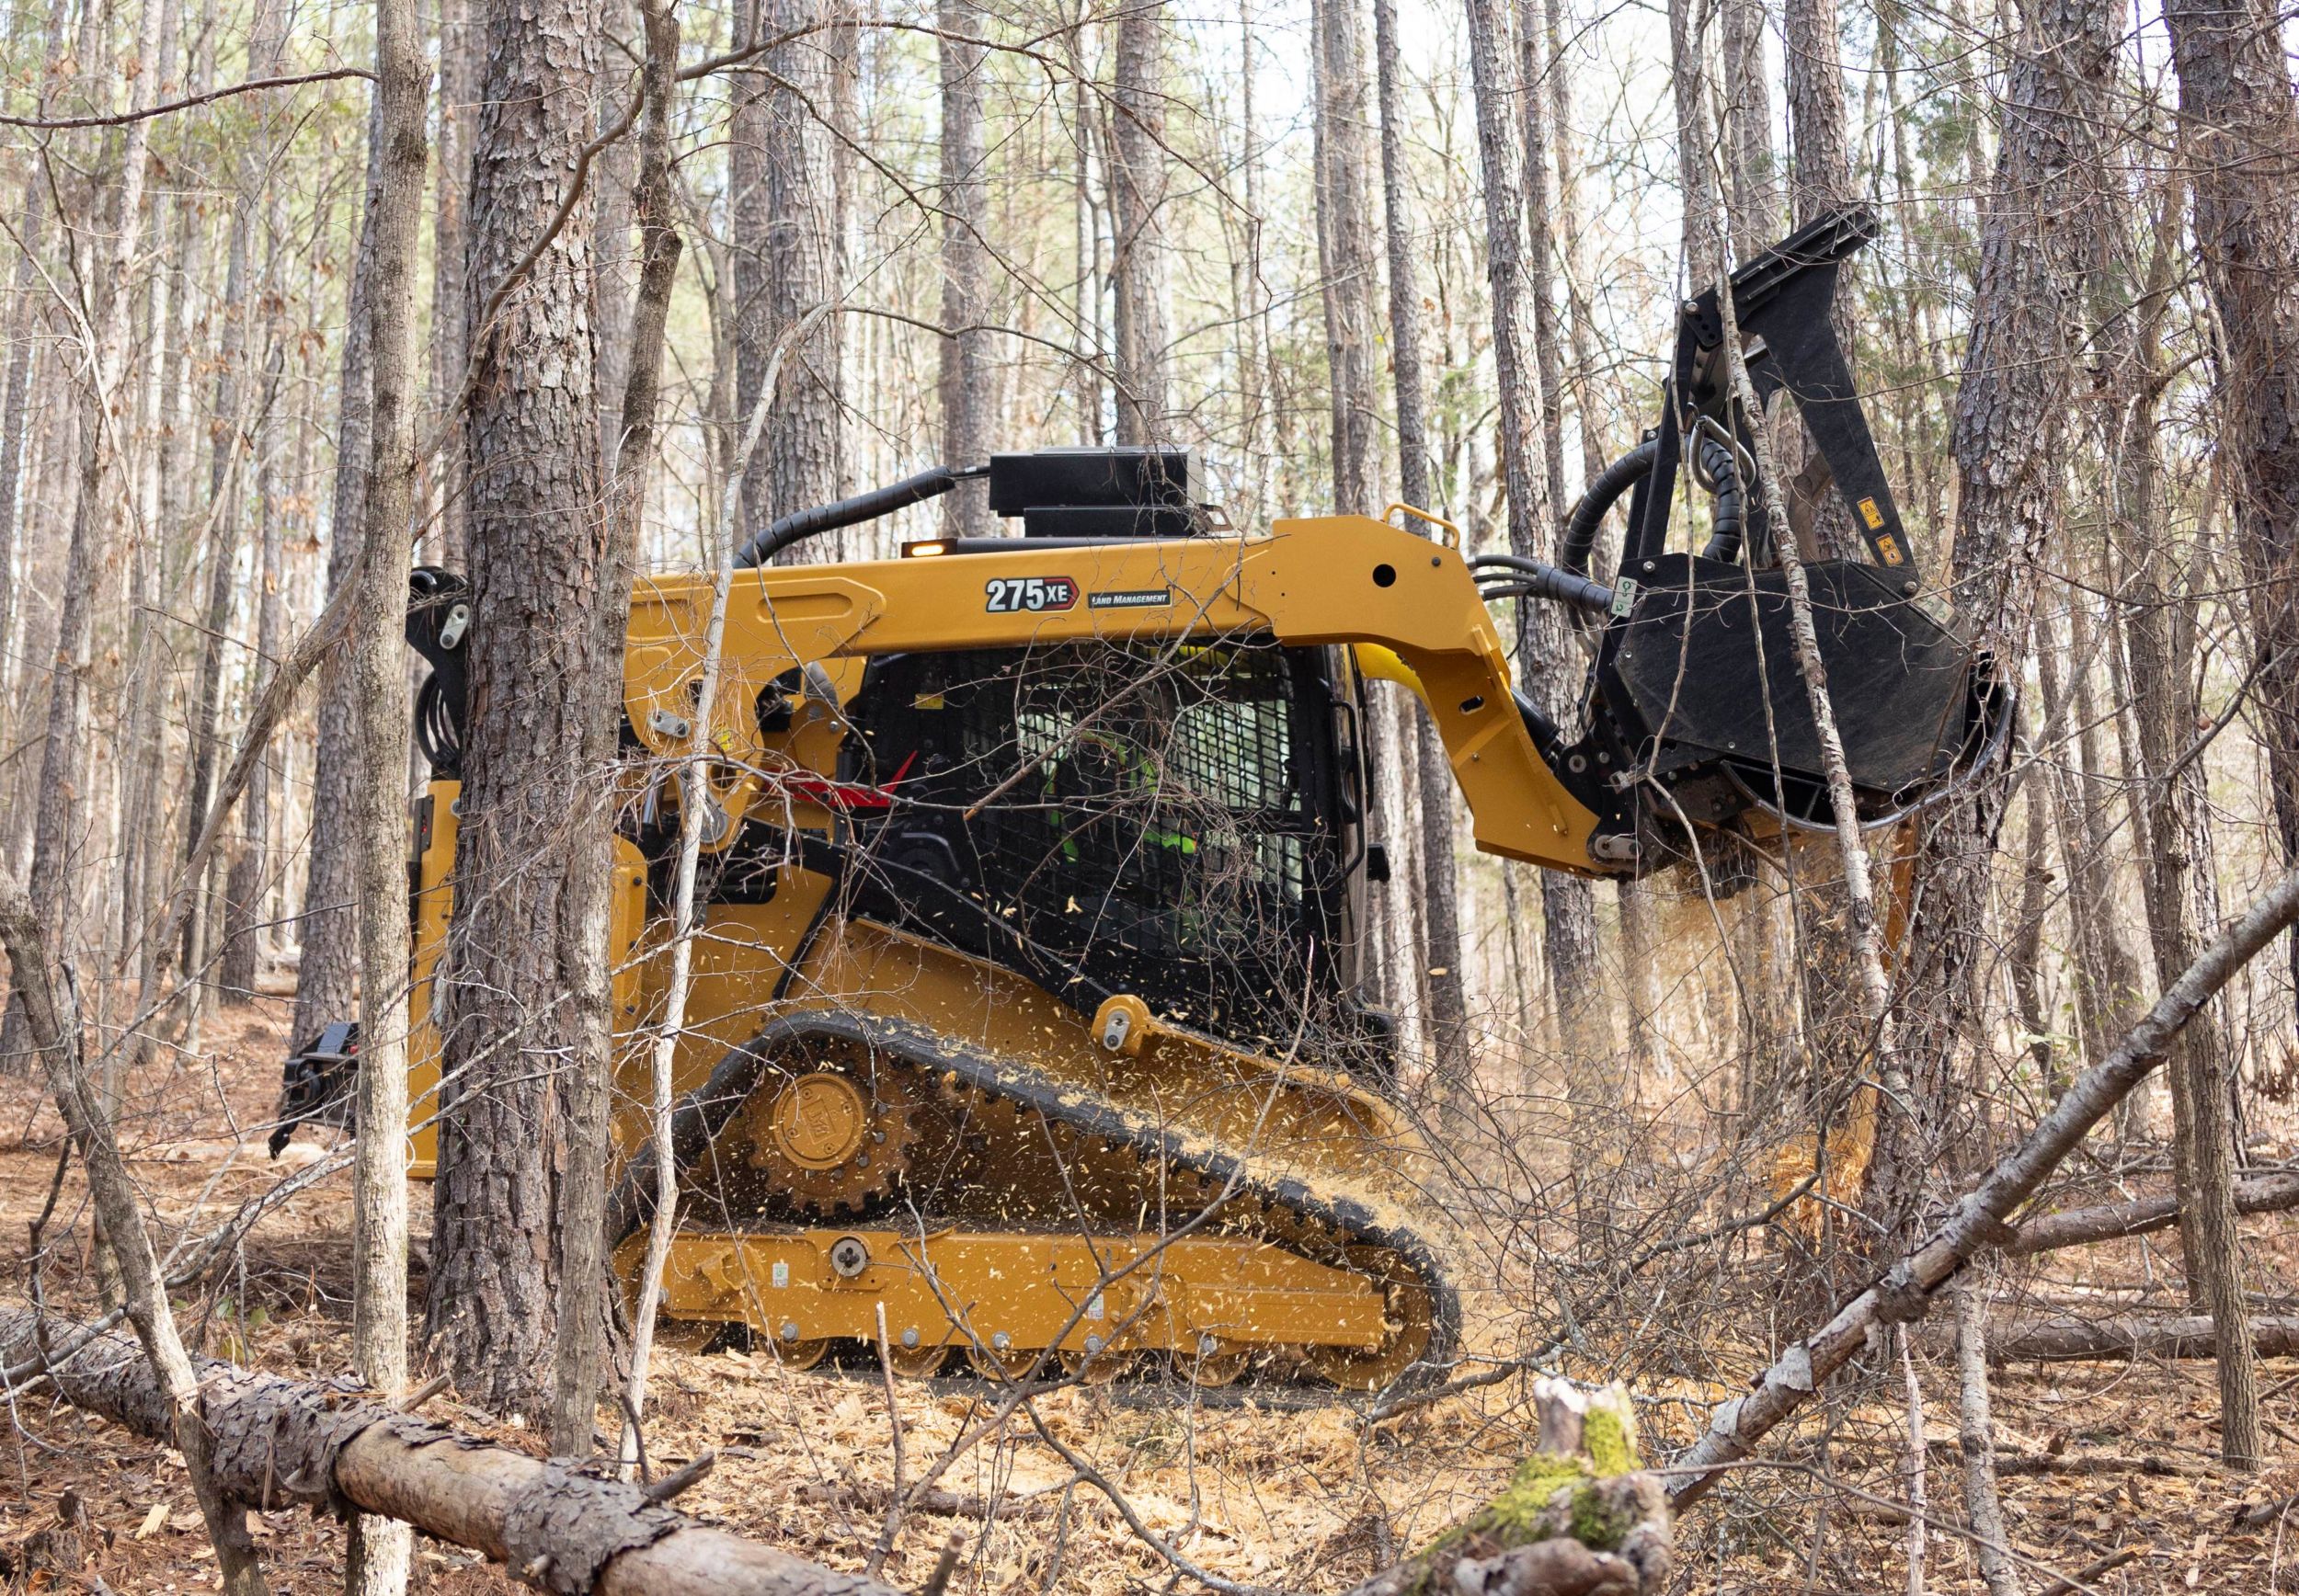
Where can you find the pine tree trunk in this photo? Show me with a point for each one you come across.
(518, 958)
(788, 258)
(1448, 1004)
(1136, 173)
(2010, 423)
(62, 815)
(1752, 191)
(1820, 168)
(2240, 128)
(245, 881)
(1550, 662)
(583, 1281)
(461, 59)
(2160, 629)
(370, 694)
(965, 261)
(328, 982)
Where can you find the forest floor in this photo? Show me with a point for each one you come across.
(1262, 1486)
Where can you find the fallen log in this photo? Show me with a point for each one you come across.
(2269, 1193)
(329, 1446)
(2071, 1341)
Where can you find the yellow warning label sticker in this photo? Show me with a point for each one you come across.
(1889, 547)
(1875, 516)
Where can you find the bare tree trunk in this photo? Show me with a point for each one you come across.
(15, 390)
(62, 815)
(1976, 1430)
(461, 59)
(521, 959)
(2008, 431)
(244, 879)
(1752, 193)
(580, 1360)
(1820, 160)
(967, 378)
(1550, 662)
(1345, 210)
(301, 1445)
(1086, 296)
(1448, 1005)
(375, 679)
(327, 980)
(2159, 628)
(1136, 163)
(2240, 128)
(788, 259)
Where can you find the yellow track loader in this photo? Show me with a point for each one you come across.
(1026, 1019)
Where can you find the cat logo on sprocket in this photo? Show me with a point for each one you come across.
(1020, 595)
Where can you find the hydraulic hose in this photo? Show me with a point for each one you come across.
(1580, 531)
(1717, 462)
(1506, 576)
(815, 519)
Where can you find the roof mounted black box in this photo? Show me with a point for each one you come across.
(1159, 482)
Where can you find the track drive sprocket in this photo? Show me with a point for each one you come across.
(838, 1136)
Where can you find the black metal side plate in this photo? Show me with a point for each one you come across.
(1689, 669)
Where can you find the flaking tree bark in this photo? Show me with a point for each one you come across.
(283, 1443)
(522, 964)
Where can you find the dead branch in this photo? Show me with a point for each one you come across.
(2269, 1193)
(123, 118)
(2067, 1340)
(867, 1497)
(1979, 1220)
(283, 1442)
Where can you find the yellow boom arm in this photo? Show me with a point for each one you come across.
(1335, 580)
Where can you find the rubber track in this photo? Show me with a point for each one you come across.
(703, 1112)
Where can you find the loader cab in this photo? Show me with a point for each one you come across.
(1183, 820)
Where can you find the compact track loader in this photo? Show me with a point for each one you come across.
(1026, 1018)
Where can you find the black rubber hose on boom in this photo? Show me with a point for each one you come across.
(1727, 517)
(815, 519)
(1588, 516)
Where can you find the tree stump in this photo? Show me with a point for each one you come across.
(1581, 1517)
